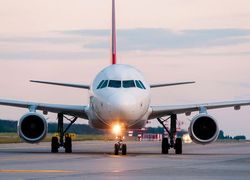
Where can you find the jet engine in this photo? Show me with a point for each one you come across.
(32, 127)
(203, 129)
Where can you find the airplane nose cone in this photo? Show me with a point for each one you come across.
(123, 106)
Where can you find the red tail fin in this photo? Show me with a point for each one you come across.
(113, 34)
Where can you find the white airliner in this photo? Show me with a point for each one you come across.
(119, 100)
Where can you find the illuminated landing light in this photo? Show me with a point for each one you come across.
(117, 129)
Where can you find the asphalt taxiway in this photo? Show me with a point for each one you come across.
(95, 160)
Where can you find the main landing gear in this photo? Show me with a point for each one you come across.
(175, 143)
(64, 139)
(120, 146)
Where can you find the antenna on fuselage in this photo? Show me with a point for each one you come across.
(113, 34)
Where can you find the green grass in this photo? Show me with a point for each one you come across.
(9, 138)
(14, 138)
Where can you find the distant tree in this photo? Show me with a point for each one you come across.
(241, 137)
(221, 135)
(155, 130)
(11, 126)
(8, 126)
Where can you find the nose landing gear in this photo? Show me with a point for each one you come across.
(120, 146)
(175, 143)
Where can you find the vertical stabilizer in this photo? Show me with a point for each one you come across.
(113, 33)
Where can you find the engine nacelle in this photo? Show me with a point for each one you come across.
(32, 127)
(203, 129)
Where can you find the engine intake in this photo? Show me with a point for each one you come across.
(203, 129)
(32, 127)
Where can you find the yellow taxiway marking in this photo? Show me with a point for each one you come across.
(27, 158)
(20, 147)
(34, 171)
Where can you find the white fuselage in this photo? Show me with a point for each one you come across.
(119, 94)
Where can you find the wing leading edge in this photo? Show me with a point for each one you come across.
(160, 111)
(72, 110)
(81, 86)
(170, 84)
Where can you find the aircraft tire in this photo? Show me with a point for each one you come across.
(124, 149)
(54, 145)
(164, 146)
(68, 145)
(116, 149)
(178, 146)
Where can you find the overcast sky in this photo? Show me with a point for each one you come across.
(206, 41)
(19, 16)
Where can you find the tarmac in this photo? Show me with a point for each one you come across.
(95, 160)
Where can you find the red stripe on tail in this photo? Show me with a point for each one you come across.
(113, 34)
(113, 58)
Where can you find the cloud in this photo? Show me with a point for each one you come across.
(50, 55)
(232, 84)
(80, 44)
(41, 39)
(160, 39)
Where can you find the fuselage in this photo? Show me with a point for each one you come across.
(119, 94)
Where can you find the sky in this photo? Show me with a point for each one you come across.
(206, 41)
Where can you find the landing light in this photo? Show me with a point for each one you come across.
(117, 129)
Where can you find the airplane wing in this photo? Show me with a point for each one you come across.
(81, 86)
(72, 110)
(160, 111)
(170, 84)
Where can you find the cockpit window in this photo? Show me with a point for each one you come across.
(104, 84)
(115, 84)
(100, 84)
(138, 84)
(128, 84)
(142, 84)
(119, 84)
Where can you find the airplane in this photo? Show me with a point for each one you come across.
(120, 101)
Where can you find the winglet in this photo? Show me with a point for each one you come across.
(113, 34)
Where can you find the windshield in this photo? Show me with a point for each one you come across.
(104, 84)
(138, 84)
(100, 84)
(115, 84)
(128, 84)
(142, 84)
(121, 84)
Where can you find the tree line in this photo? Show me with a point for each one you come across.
(11, 126)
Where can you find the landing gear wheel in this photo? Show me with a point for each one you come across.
(116, 149)
(164, 146)
(124, 149)
(68, 145)
(54, 145)
(178, 146)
